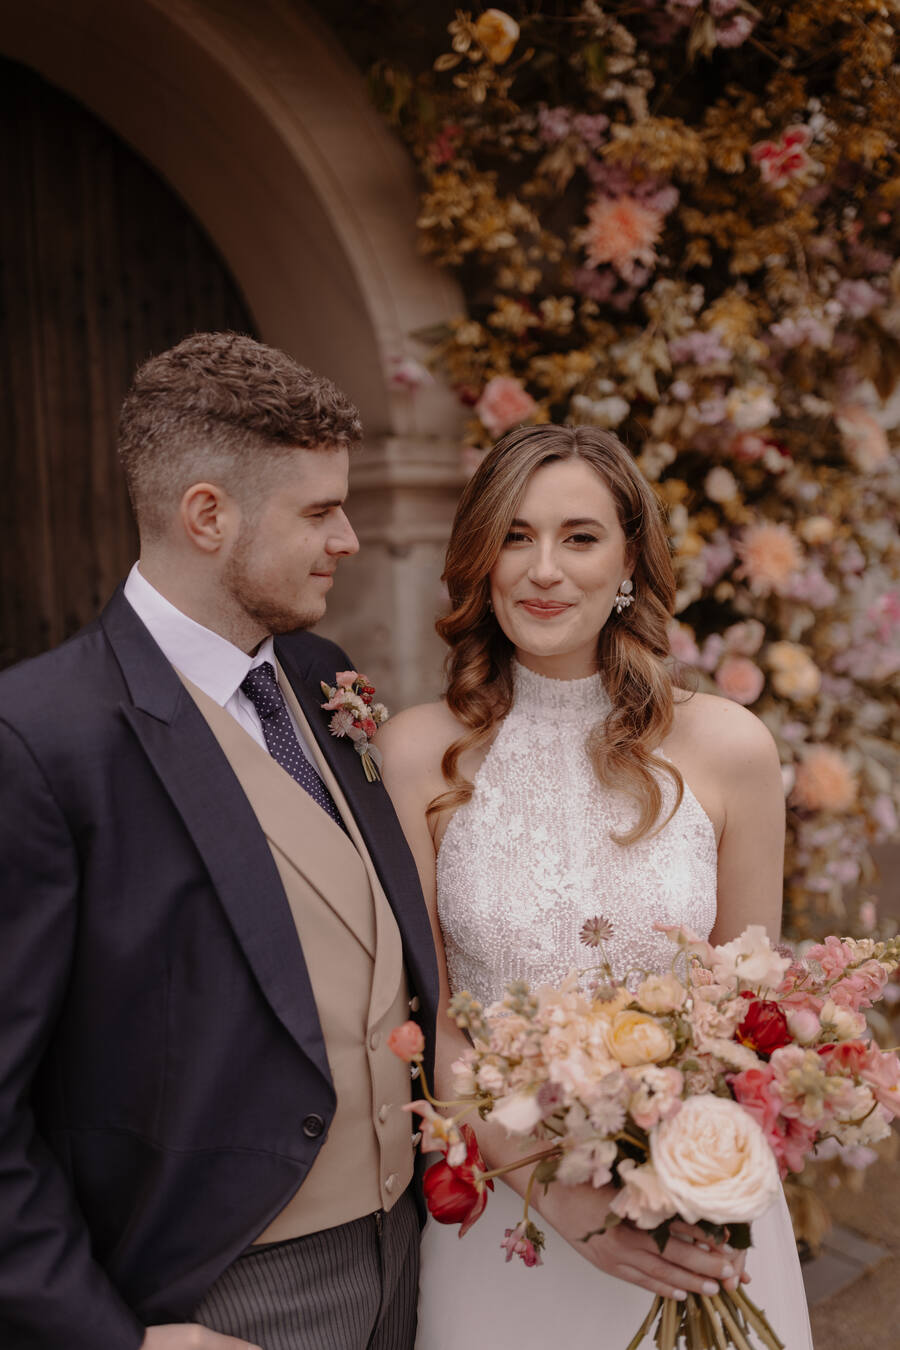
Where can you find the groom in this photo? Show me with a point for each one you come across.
(210, 919)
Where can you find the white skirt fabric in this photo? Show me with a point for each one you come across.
(469, 1296)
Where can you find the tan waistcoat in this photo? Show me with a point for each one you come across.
(353, 953)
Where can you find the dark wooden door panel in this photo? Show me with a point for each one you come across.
(101, 265)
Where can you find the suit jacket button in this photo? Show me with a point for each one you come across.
(313, 1126)
(414, 1003)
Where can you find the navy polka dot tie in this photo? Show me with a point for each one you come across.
(261, 687)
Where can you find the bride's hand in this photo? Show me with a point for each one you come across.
(690, 1263)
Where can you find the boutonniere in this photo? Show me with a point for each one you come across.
(356, 715)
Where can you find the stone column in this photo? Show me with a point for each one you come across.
(403, 493)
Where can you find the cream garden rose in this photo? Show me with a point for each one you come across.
(661, 993)
(635, 1038)
(713, 1160)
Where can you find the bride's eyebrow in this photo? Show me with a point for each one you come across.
(570, 524)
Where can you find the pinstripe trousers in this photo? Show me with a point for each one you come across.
(353, 1287)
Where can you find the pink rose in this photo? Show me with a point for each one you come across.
(503, 404)
(740, 679)
(344, 679)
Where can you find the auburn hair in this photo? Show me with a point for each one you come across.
(632, 647)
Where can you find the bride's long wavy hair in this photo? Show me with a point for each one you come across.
(632, 647)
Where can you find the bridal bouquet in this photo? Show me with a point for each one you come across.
(694, 1092)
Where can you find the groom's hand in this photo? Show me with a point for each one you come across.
(189, 1336)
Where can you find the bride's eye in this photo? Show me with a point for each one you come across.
(582, 539)
(515, 537)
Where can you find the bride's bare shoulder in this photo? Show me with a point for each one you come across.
(415, 740)
(720, 726)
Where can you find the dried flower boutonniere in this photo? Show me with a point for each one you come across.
(356, 715)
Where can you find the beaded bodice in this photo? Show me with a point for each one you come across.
(529, 857)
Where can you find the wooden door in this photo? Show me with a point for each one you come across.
(100, 266)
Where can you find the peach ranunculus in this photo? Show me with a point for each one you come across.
(496, 33)
(864, 437)
(623, 232)
(635, 1038)
(794, 674)
(770, 556)
(740, 679)
(824, 781)
(406, 1041)
(504, 403)
(714, 1161)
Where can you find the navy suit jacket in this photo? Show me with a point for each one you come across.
(164, 1086)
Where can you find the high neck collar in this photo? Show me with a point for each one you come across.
(585, 700)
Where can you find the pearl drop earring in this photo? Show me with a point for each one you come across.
(624, 598)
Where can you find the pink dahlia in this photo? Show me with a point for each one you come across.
(770, 555)
(623, 232)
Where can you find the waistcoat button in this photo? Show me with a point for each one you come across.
(390, 1184)
(313, 1126)
(374, 1040)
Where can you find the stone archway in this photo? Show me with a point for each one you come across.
(259, 122)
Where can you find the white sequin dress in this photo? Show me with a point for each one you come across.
(522, 865)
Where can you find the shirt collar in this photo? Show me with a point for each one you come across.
(207, 659)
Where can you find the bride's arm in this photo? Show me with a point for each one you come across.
(413, 743)
(731, 761)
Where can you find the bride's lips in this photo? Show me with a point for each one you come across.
(544, 609)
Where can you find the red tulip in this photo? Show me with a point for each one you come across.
(454, 1194)
(764, 1027)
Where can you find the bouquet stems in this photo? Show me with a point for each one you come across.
(723, 1321)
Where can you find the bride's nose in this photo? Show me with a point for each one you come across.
(544, 569)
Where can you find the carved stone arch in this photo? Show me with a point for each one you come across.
(262, 126)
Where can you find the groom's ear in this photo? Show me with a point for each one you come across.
(209, 516)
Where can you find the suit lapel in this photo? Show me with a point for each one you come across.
(206, 794)
(372, 810)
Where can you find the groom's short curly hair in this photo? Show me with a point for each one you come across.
(222, 407)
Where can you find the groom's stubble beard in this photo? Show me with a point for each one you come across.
(255, 595)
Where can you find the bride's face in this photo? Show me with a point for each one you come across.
(555, 580)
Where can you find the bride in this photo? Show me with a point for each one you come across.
(563, 776)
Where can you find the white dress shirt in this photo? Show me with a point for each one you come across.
(208, 660)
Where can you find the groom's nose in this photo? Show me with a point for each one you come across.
(343, 541)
